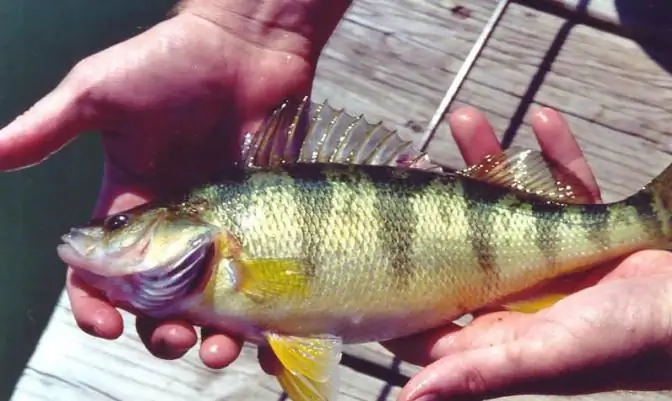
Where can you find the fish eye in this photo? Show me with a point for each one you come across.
(116, 222)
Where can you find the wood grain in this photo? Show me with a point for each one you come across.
(70, 365)
(613, 94)
(392, 61)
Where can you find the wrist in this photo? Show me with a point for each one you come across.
(300, 27)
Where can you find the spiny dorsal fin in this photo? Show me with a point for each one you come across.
(531, 172)
(305, 132)
(279, 138)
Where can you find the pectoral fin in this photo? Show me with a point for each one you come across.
(265, 280)
(309, 366)
(531, 172)
(535, 304)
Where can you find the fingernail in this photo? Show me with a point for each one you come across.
(212, 348)
(99, 319)
(542, 115)
(97, 324)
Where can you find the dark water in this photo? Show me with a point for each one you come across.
(39, 42)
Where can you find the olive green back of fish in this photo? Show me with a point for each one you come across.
(376, 242)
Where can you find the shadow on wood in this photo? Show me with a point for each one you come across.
(538, 78)
(647, 22)
(652, 15)
(656, 17)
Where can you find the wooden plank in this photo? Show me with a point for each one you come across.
(630, 17)
(392, 60)
(615, 96)
(70, 365)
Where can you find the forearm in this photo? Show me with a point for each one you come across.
(297, 26)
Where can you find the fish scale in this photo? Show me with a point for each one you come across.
(296, 214)
(326, 234)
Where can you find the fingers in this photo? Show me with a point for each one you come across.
(93, 315)
(558, 143)
(526, 368)
(473, 134)
(218, 350)
(585, 334)
(422, 348)
(475, 139)
(166, 340)
(46, 127)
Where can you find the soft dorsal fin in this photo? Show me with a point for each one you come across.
(531, 172)
(306, 132)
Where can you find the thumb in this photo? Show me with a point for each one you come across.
(47, 126)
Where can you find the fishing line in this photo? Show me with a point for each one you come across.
(461, 76)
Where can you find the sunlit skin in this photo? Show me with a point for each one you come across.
(623, 311)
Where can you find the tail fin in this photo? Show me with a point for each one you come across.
(661, 187)
(654, 203)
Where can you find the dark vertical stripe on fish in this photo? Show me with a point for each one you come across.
(643, 202)
(313, 193)
(546, 230)
(398, 224)
(395, 192)
(235, 202)
(481, 217)
(597, 227)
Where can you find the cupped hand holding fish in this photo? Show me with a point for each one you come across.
(613, 333)
(172, 103)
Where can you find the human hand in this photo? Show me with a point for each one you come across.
(613, 332)
(172, 103)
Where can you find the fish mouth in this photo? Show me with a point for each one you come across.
(72, 255)
(79, 250)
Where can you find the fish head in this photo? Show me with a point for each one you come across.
(149, 258)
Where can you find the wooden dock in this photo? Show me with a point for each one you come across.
(392, 60)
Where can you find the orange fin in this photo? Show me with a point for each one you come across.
(309, 366)
(531, 172)
(534, 304)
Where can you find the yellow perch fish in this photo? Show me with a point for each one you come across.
(332, 230)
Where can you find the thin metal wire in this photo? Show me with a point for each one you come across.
(462, 73)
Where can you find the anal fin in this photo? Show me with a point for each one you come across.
(535, 304)
(309, 366)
